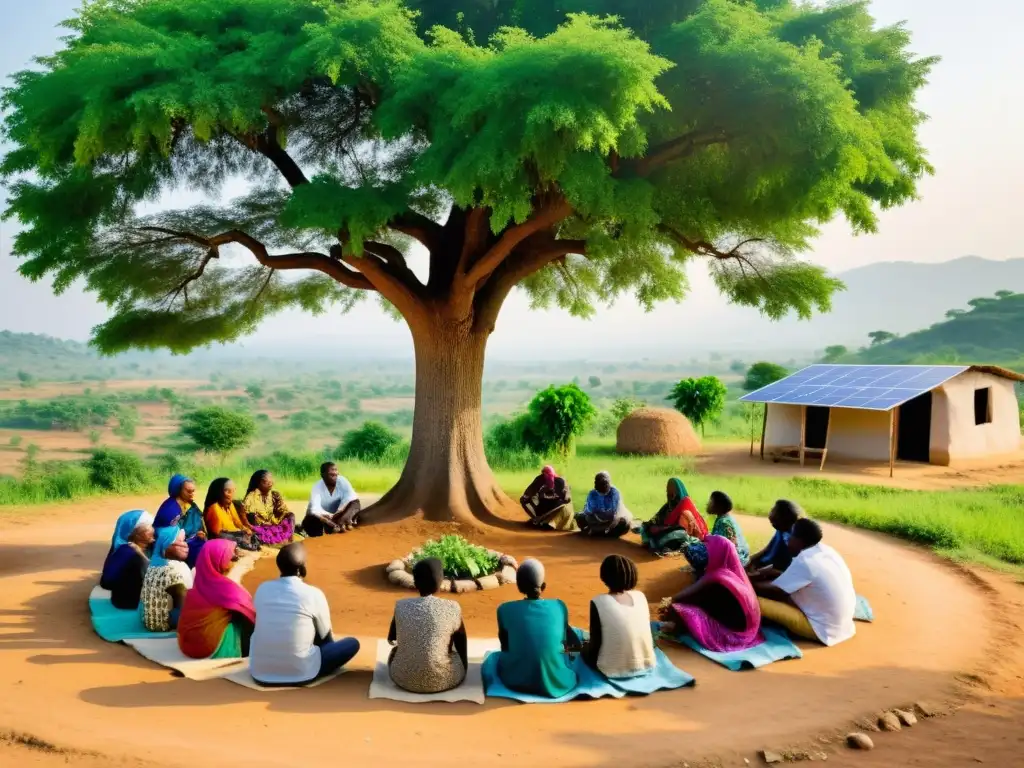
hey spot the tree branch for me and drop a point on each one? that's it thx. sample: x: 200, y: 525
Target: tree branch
x: 534, y: 254
x: 420, y: 228
x: 478, y: 222
x: 546, y: 216
x: 674, y: 149
x: 305, y: 260
x: 704, y: 248
x: 266, y: 144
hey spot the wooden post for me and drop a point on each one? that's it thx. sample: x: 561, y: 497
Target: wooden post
x: 803, y: 432
x: 892, y: 441
x: 764, y: 427
x: 828, y: 432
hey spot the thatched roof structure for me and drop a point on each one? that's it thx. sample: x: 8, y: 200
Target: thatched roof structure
x: 657, y: 432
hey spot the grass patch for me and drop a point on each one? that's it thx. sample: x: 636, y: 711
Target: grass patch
x: 983, y: 525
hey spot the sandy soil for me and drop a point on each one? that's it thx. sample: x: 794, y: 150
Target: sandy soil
x: 63, y: 685
x: 735, y: 459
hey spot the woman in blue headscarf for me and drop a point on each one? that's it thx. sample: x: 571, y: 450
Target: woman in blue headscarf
x: 167, y: 580
x: 126, y: 563
x: 181, y: 510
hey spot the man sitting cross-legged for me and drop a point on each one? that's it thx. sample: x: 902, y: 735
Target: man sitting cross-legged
x: 333, y: 504
x: 293, y: 643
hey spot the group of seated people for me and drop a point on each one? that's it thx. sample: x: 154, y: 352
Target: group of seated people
x: 795, y: 581
x: 173, y: 568
x: 547, y: 502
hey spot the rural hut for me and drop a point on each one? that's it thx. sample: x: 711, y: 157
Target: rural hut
x: 936, y: 414
x: 657, y: 432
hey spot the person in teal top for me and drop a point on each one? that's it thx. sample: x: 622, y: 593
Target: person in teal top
x: 535, y: 635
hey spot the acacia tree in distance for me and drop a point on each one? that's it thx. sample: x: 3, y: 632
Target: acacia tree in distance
x: 569, y: 153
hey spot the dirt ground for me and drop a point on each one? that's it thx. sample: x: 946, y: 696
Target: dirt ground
x: 943, y: 635
x: 735, y: 459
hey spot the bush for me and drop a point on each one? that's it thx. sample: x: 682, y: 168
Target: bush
x: 700, y: 400
x: 557, y: 415
x: 372, y: 442
x: 218, y: 430
x: 285, y: 464
x: 118, y: 471
x: 461, y: 560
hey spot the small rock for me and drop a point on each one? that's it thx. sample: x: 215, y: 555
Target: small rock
x: 906, y: 718
x: 489, y: 582
x: 888, y: 721
x: 402, y: 579
x: 507, y: 575
x: 462, y: 586
x: 771, y: 757
x: 925, y: 709
x: 859, y: 741
x: 446, y: 586
x: 508, y: 560
x: 395, y: 565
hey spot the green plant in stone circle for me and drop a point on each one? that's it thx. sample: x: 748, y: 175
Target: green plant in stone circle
x: 461, y: 559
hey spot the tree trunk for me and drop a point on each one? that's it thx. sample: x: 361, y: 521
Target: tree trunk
x: 446, y: 478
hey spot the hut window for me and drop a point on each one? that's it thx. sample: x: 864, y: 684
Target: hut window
x: 983, y: 405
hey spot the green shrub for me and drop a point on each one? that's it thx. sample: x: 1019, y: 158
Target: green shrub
x: 461, y: 560
x: 218, y: 430
x: 372, y: 442
x: 557, y: 416
x: 118, y: 471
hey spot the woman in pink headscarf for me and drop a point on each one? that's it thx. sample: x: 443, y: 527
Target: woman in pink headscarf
x: 548, y: 502
x: 218, y: 617
x: 720, y: 611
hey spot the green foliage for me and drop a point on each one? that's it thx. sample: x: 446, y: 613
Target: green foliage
x: 834, y: 353
x: 15, y: 441
x: 218, y: 430
x: 372, y: 442
x: 118, y: 471
x: 255, y: 391
x: 75, y: 413
x: 127, y: 423
x: 461, y: 559
x: 557, y: 415
x: 657, y: 133
x: 594, y: 381
x: 762, y: 374
x: 700, y: 400
x: 880, y: 337
x: 26, y: 379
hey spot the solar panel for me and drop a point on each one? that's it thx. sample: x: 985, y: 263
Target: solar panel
x: 870, y: 387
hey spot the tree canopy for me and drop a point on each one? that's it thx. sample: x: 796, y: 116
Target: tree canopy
x: 762, y: 374
x: 581, y: 150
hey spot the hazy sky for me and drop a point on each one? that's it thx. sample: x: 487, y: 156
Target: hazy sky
x: 968, y: 207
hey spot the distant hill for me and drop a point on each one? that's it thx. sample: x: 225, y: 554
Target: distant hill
x: 990, y: 331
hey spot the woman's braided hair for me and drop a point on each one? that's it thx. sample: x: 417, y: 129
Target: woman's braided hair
x: 619, y: 573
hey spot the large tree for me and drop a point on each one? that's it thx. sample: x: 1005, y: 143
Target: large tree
x: 577, y: 150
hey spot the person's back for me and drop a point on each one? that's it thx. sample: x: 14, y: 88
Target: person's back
x: 422, y: 661
x: 535, y: 660
x: 290, y: 615
x: 821, y: 585
x: 627, y: 644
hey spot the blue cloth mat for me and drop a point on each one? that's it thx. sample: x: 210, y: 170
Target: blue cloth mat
x: 776, y: 647
x: 863, y: 610
x: 592, y: 685
x: 666, y: 677
x: 115, y: 625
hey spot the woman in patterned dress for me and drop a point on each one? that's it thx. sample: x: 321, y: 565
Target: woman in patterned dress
x: 266, y: 511
x: 167, y: 580
x: 430, y: 644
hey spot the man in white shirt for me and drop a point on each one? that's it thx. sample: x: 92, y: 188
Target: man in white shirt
x: 293, y: 643
x: 333, y: 504
x: 814, y: 598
